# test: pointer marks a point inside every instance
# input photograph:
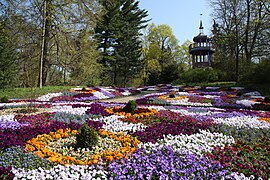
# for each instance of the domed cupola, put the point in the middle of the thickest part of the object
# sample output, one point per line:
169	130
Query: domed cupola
201	50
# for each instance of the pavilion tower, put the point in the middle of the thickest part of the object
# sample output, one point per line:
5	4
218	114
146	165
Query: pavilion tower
201	50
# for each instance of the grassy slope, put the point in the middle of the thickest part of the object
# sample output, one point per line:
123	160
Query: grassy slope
28	93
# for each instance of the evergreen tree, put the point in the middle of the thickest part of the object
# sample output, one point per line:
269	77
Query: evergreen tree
118	35
7	59
129	47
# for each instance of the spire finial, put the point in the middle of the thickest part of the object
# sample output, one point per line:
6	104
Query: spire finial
201	25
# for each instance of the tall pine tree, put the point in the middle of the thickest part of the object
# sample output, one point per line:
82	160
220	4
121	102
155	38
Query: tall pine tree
118	35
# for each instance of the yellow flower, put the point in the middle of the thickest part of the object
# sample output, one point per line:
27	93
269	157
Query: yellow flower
38	146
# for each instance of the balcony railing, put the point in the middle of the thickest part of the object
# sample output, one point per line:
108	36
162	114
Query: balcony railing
203	46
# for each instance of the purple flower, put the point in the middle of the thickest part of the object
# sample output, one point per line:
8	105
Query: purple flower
165	163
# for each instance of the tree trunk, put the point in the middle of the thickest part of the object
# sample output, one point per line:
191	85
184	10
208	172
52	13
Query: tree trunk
44	62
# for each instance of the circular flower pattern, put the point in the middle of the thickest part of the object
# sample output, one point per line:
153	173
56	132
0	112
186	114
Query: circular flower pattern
63	153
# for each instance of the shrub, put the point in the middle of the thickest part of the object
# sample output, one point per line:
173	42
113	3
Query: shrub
258	73
87	137
200	75
267	99
130	106
172	95
4	99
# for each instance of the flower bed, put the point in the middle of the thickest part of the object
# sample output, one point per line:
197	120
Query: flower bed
200	133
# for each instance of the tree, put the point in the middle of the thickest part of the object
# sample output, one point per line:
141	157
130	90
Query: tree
161	50
242	26
84	67
47	22
65	20
183	56
118	34
128	48
8	68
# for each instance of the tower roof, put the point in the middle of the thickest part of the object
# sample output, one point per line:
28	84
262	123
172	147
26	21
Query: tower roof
201	27
201	37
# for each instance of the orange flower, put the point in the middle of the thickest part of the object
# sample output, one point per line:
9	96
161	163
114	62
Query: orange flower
38	146
39	153
109	158
166	97
265	119
140	113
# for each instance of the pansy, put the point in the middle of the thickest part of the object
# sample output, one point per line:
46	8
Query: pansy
48	96
113	124
69	109
61	172
243	122
246	102
57	153
198	143
165	163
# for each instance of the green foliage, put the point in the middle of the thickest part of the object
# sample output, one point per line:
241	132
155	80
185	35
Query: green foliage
17	157
170	73
130	106
200	75
157	101
163	56
7	60
172	95
117	35
87	137
244	134
249	158
267	99
26	93
4	99
259	73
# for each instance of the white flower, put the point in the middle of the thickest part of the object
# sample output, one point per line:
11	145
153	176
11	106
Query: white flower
198	143
126	93
114	125
253	93
246	102
158	108
100	95
243	122
241	176
237	88
7	118
69	109
212	88
48	96
68	172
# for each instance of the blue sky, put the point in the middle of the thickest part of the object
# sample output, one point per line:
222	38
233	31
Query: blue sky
183	16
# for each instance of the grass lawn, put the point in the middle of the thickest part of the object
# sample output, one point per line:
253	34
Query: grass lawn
28	93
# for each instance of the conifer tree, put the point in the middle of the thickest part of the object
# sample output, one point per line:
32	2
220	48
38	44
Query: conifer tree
118	35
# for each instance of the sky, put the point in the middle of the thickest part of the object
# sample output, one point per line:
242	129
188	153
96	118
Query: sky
183	16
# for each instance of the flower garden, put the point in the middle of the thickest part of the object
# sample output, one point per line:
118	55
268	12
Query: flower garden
172	133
